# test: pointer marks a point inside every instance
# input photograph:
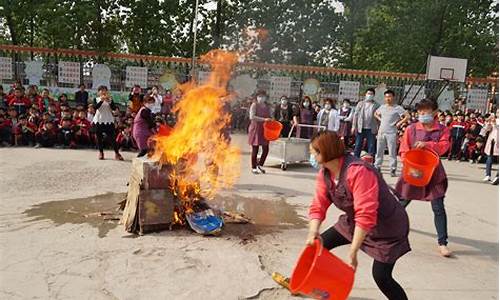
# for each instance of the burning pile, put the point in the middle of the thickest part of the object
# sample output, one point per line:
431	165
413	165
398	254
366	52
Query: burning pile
201	158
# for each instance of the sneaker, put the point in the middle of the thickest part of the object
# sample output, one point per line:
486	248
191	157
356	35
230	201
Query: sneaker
444	251
261	169
118	156
38	145
256	171
495	181
487	178
393	173
101	156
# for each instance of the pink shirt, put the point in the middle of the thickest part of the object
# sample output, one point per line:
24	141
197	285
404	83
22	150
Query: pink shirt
439	147
363	185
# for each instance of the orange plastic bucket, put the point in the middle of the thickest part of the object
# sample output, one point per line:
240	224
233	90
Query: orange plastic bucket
164	130
272	130
321	275
418	166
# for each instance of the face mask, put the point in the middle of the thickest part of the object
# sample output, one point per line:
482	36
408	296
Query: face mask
328	106
306	104
425	119
314	163
369	97
261	99
284	102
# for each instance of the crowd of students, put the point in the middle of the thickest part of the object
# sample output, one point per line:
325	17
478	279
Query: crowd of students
35	118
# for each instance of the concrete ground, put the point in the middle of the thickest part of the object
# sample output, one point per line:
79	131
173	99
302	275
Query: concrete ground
53	245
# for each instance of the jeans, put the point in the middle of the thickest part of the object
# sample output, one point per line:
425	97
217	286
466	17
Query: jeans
389	140
489	164
440	219
370	140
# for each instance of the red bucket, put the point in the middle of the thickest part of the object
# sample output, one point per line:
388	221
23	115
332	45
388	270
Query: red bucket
418	166
272	130
321	275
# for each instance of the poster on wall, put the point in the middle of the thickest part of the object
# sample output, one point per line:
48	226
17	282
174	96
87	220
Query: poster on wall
101	75
412	93
348	90
68	72
311	88
34	71
136	75
5	68
168	80
280	86
477	99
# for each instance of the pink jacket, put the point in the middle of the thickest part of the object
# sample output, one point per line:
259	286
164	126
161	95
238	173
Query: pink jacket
492	131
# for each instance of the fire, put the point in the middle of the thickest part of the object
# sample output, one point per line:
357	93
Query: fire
203	160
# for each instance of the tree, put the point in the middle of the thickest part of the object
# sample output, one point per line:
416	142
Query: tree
401	34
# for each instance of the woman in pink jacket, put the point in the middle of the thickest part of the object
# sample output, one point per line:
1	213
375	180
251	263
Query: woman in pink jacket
491	147
373	219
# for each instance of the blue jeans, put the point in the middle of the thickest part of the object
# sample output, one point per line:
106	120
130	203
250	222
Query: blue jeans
489	164
440	219
370	140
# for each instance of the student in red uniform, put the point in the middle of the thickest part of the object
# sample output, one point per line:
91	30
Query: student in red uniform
19	101
46	135
427	133
82	129
66	136
24	133
5	129
458	129
374	221
45	101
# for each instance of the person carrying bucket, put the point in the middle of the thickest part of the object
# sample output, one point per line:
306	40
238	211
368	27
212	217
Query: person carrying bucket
428	134
259	113
373	221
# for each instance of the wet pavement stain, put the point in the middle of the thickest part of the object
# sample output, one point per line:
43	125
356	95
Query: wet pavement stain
92	210
267	216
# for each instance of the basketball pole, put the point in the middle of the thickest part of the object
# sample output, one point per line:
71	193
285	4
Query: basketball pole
413	83
442	89
416	94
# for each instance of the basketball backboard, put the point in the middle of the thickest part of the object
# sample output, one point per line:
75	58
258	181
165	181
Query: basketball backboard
446	68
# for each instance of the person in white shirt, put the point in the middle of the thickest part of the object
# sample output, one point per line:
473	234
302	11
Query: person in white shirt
104	121
156	109
329	116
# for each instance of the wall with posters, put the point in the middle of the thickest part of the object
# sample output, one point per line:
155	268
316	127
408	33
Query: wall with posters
5	68
477	99
68	72
136	75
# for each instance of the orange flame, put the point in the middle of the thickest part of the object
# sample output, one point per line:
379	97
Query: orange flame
204	162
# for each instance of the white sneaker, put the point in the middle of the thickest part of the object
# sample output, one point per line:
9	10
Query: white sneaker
256	171
487	178
261	170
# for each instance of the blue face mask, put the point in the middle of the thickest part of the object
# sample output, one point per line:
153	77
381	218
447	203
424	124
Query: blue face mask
314	163
425	119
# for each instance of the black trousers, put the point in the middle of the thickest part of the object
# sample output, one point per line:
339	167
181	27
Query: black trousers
440	219
263	156
381	272
109	130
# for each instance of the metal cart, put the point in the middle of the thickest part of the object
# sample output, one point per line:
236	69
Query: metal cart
291	149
